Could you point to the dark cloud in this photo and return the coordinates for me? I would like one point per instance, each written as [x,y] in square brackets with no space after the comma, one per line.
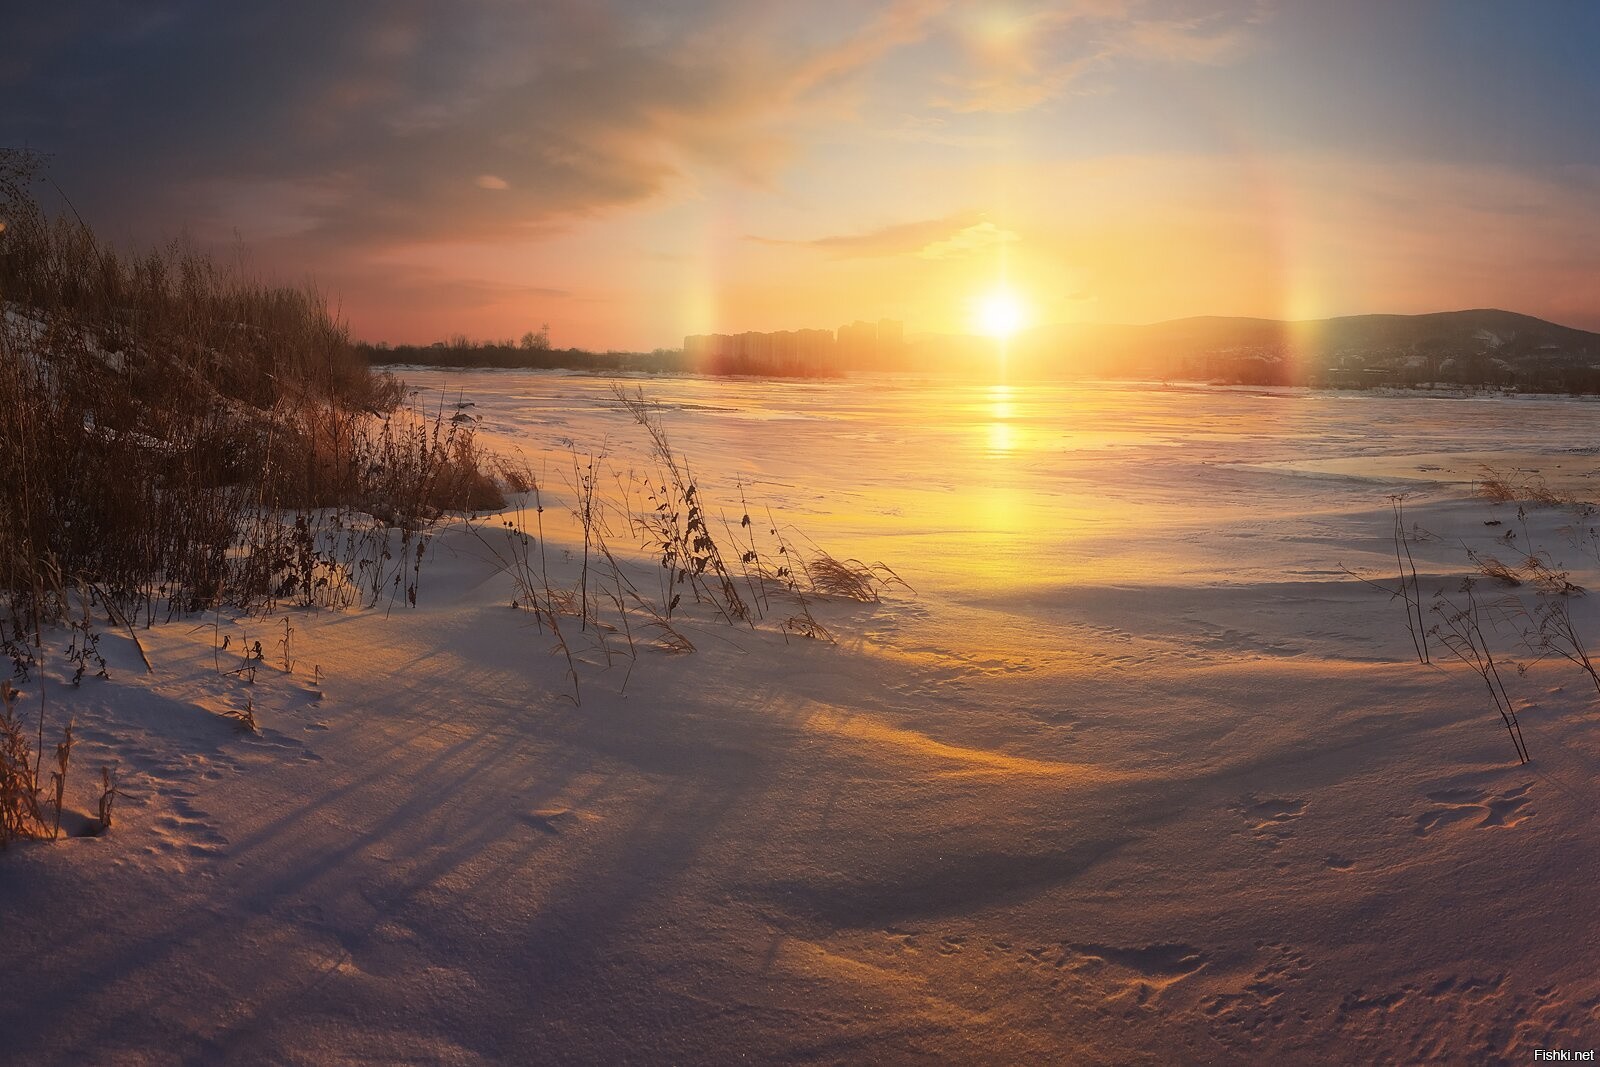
[335,140]
[373,122]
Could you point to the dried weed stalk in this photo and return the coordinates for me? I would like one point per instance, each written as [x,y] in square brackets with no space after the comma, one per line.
[1460,629]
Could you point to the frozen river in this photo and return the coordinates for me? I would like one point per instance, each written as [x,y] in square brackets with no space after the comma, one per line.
[963,484]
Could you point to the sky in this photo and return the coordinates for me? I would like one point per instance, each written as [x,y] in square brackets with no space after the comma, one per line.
[629,173]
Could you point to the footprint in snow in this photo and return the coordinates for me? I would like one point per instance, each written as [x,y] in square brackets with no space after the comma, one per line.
[1271,819]
[1477,807]
[552,821]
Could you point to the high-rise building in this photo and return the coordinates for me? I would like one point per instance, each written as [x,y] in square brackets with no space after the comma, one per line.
[858,343]
[786,352]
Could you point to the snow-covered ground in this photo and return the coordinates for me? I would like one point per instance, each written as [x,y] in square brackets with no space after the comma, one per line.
[1137,773]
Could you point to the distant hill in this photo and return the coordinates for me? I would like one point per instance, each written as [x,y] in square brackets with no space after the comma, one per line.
[1481,346]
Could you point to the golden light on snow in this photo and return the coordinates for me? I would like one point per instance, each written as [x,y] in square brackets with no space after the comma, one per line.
[1000,314]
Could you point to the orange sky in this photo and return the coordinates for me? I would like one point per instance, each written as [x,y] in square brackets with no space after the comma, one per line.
[629,173]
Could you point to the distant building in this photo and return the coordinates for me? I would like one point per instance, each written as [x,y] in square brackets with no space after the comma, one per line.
[858,343]
[798,353]
[787,353]
[892,350]
[697,348]
[815,351]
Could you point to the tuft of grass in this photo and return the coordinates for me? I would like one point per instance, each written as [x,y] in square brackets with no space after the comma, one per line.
[849,579]
[1547,578]
[27,812]
[1494,488]
[1507,488]
[1492,568]
[108,797]
[247,716]
[20,814]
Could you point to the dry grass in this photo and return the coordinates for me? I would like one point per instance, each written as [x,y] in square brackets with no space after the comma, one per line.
[175,435]
[690,555]
[1553,631]
[27,811]
[108,797]
[1460,629]
[849,579]
[1492,568]
[20,814]
[1518,486]
[600,612]
[1492,487]
[1535,569]
[1547,628]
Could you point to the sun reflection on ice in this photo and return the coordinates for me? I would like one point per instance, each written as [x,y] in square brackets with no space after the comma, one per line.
[1003,436]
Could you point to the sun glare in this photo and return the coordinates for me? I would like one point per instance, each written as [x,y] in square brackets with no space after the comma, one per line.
[1000,314]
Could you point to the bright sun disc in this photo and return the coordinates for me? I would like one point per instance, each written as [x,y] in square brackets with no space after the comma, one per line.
[1000,314]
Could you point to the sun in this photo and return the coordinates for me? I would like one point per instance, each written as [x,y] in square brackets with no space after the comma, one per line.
[1000,313]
